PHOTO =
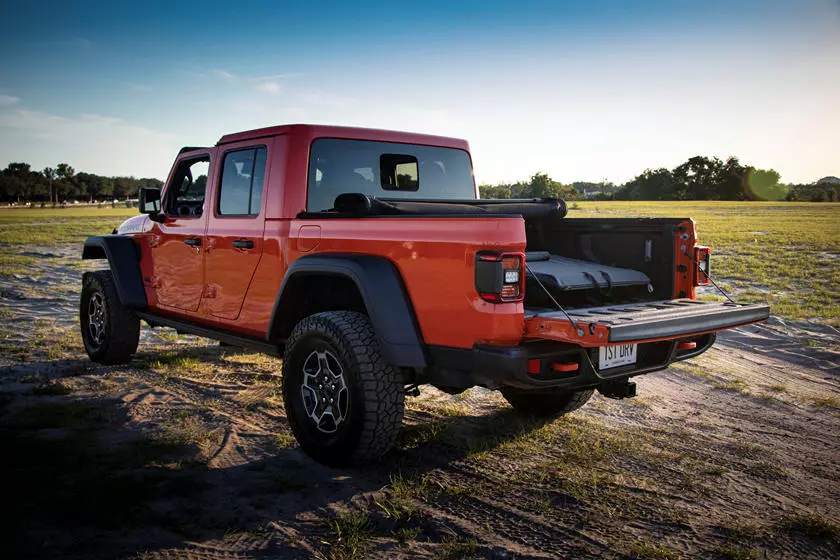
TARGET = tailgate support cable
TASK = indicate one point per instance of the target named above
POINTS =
(700, 268)
(578, 330)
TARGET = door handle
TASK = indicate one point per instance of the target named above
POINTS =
(243, 244)
(193, 241)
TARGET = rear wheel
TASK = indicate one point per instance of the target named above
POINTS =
(110, 331)
(343, 401)
(546, 402)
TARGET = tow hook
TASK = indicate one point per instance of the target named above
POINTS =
(618, 389)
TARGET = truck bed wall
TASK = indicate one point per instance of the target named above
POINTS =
(621, 242)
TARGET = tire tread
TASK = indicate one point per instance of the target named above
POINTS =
(380, 384)
(123, 334)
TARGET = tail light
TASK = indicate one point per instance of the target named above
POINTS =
(702, 269)
(500, 277)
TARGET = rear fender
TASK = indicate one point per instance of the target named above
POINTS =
(382, 291)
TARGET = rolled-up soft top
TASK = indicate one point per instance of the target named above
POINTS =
(364, 205)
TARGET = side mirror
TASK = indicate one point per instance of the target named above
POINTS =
(149, 203)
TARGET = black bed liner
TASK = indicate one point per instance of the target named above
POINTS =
(663, 319)
(562, 273)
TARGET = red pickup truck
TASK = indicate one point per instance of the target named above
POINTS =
(367, 261)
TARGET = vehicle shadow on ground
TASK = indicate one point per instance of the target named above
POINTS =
(82, 481)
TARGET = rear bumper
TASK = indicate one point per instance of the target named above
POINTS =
(497, 366)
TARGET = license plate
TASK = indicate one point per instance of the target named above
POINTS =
(614, 356)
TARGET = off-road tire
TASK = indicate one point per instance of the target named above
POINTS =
(121, 331)
(546, 402)
(375, 389)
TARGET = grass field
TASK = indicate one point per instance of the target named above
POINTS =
(787, 254)
(783, 253)
(186, 451)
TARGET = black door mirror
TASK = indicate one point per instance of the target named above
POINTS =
(149, 200)
(149, 203)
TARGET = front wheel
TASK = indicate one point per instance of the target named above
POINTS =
(546, 402)
(110, 331)
(343, 401)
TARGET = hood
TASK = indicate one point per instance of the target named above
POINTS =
(135, 224)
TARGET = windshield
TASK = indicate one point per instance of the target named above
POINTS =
(386, 170)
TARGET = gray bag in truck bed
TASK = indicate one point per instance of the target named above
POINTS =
(563, 273)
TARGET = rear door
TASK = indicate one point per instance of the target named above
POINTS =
(235, 227)
(176, 245)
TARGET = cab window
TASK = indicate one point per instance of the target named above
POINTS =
(241, 184)
(188, 189)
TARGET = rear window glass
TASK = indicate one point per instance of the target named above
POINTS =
(385, 170)
(240, 192)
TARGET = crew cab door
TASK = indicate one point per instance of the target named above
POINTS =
(177, 244)
(235, 227)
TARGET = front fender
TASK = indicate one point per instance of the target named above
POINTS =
(124, 260)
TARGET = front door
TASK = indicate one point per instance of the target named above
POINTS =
(178, 242)
(235, 232)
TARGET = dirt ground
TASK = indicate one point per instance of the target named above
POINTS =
(186, 453)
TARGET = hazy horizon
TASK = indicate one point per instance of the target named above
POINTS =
(583, 93)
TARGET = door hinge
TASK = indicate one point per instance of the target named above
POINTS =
(210, 244)
(154, 241)
(154, 282)
(210, 291)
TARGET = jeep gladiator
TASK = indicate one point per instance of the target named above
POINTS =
(366, 259)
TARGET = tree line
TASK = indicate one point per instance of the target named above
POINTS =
(19, 183)
(699, 178)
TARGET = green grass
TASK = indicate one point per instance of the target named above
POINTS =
(826, 403)
(649, 551)
(452, 548)
(285, 441)
(733, 551)
(349, 536)
(783, 253)
(810, 525)
(736, 384)
(54, 226)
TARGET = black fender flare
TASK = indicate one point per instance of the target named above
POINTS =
(381, 287)
(124, 259)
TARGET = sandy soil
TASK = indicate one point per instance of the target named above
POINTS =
(186, 453)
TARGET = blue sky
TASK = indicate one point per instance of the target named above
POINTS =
(584, 91)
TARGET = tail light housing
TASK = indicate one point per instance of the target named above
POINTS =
(500, 276)
(702, 256)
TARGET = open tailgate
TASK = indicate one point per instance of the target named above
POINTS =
(642, 322)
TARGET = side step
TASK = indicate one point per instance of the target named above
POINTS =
(209, 332)
(642, 322)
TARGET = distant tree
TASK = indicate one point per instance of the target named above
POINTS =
(651, 184)
(543, 186)
(94, 186)
(763, 184)
(65, 173)
(494, 191)
(49, 173)
(696, 179)
(16, 181)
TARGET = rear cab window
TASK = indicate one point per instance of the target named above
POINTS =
(385, 170)
(241, 183)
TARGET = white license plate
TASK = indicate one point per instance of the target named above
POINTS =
(614, 356)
